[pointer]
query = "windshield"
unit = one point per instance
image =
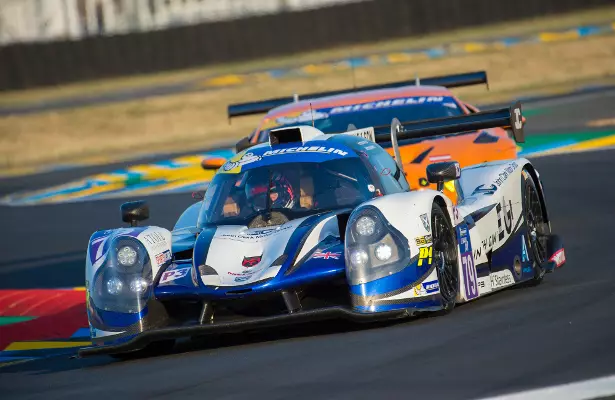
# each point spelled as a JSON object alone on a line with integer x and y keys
{"x": 338, "y": 119}
{"x": 290, "y": 190}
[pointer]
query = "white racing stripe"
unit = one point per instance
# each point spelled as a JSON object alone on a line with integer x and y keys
{"x": 589, "y": 389}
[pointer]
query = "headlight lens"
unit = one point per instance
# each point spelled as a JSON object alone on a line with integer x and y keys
{"x": 127, "y": 256}
{"x": 365, "y": 226}
{"x": 138, "y": 285}
{"x": 383, "y": 252}
{"x": 114, "y": 286}
{"x": 359, "y": 258}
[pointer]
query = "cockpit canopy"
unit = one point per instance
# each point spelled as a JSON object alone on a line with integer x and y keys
{"x": 286, "y": 191}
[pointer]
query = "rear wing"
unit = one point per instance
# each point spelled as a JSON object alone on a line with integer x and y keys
{"x": 449, "y": 81}
{"x": 509, "y": 118}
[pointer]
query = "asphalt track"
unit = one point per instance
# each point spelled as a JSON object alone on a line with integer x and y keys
{"x": 521, "y": 338}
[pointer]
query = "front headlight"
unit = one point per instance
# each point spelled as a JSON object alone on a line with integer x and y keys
{"x": 365, "y": 226}
{"x": 374, "y": 248}
{"x": 359, "y": 258}
{"x": 127, "y": 256}
{"x": 124, "y": 282}
{"x": 138, "y": 285}
{"x": 114, "y": 286}
{"x": 383, "y": 252}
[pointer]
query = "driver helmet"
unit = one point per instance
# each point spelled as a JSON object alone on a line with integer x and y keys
{"x": 281, "y": 192}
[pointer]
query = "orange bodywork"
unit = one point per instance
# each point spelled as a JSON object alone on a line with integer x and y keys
{"x": 416, "y": 156}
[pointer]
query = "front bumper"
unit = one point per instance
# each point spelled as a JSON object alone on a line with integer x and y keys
{"x": 340, "y": 313}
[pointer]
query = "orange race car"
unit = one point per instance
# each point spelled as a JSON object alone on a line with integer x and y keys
{"x": 377, "y": 107}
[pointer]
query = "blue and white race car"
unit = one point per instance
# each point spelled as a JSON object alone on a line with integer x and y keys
{"x": 314, "y": 226}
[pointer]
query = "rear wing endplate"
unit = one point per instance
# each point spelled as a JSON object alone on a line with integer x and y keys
{"x": 510, "y": 118}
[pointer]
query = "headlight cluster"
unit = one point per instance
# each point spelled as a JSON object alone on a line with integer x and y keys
{"x": 123, "y": 283}
{"x": 374, "y": 248}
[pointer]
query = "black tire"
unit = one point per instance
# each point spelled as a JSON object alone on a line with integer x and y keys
{"x": 445, "y": 257}
{"x": 538, "y": 229}
{"x": 151, "y": 350}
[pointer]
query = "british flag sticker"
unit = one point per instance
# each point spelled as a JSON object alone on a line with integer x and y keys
{"x": 327, "y": 255}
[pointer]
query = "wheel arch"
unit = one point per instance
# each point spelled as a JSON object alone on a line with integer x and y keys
{"x": 439, "y": 200}
{"x": 534, "y": 174}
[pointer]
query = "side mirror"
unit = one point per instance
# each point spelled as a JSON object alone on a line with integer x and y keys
{"x": 215, "y": 163}
{"x": 443, "y": 172}
{"x": 134, "y": 211}
{"x": 243, "y": 144}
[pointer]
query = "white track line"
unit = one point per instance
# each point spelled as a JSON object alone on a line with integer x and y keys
{"x": 589, "y": 389}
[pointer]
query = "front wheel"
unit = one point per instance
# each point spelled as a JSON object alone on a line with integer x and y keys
{"x": 445, "y": 257}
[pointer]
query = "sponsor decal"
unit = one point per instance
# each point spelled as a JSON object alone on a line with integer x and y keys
{"x": 163, "y": 257}
{"x": 250, "y": 262}
{"x": 467, "y": 261}
{"x": 425, "y": 220}
{"x": 423, "y": 182}
{"x": 485, "y": 189}
{"x": 508, "y": 170}
{"x": 481, "y": 283}
{"x": 172, "y": 275}
{"x": 242, "y": 273}
{"x": 156, "y": 241}
{"x": 154, "y": 238}
{"x": 247, "y": 158}
{"x": 527, "y": 269}
{"x": 365, "y": 133}
{"x": 518, "y": 119}
{"x": 399, "y": 102}
{"x": 431, "y": 287}
{"x": 243, "y": 278}
{"x": 425, "y": 254}
{"x": 305, "y": 116}
{"x": 327, "y": 255}
{"x": 235, "y": 164}
{"x": 426, "y": 288}
{"x": 501, "y": 279}
{"x": 256, "y": 233}
{"x": 524, "y": 256}
{"x": 559, "y": 258}
{"x": 486, "y": 245}
{"x": 438, "y": 158}
{"x": 508, "y": 218}
{"x": 423, "y": 240}
{"x": 456, "y": 215}
{"x": 305, "y": 149}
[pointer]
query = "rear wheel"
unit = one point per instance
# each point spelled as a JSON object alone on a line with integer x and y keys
{"x": 538, "y": 229}
{"x": 445, "y": 257}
